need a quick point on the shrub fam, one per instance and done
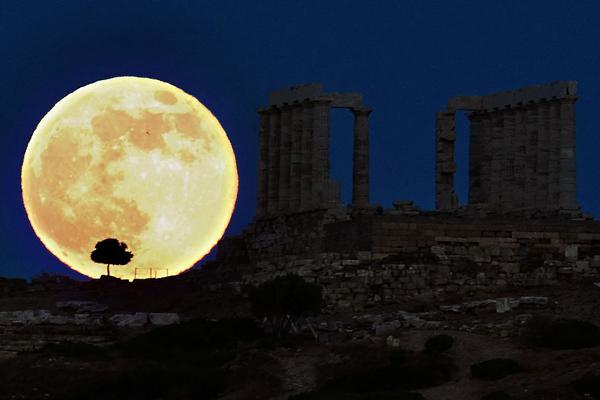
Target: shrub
(198, 339)
(589, 385)
(438, 344)
(497, 395)
(561, 333)
(285, 299)
(407, 372)
(359, 396)
(494, 369)
(76, 350)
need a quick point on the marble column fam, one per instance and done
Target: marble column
(360, 167)
(307, 157)
(497, 162)
(296, 157)
(273, 166)
(476, 156)
(262, 195)
(554, 156)
(567, 176)
(320, 172)
(531, 154)
(541, 197)
(508, 167)
(445, 166)
(285, 158)
(520, 146)
(486, 157)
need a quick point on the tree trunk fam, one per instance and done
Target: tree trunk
(108, 269)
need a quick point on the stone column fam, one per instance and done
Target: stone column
(285, 159)
(554, 156)
(497, 162)
(531, 154)
(360, 166)
(508, 167)
(320, 172)
(307, 157)
(520, 157)
(476, 143)
(296, 157)
(445, 167)
(541, 197)
(273, 167)
(567, 177)
(486, 157)
(262, 194)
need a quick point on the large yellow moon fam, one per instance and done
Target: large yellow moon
(135, 159)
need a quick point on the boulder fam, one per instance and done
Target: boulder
(163, 318)
(130, 320)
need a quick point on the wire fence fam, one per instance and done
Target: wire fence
(144, 273)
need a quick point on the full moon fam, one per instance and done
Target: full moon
(135, 159)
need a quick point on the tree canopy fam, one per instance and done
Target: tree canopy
(111, 251)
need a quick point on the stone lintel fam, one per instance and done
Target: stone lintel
(313, 92)
(514, 98)
(346, 100)
(295, 93)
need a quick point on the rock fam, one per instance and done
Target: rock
(24, 317)
(163, 318)
(572, 252)
(130, 320)
(389, 340)
(503, 305)
(81, 306)
(456, 308)
(533, 300)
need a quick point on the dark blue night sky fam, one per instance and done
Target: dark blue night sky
(406, 57)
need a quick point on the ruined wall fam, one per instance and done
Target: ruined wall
(374, 259)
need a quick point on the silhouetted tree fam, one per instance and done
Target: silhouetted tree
(285, 299)
(111, 251)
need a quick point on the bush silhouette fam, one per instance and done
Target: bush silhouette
(111, 251)
(494, 369)
(438, 344)
(497, 395)
(562, 333)
(285, 299)
(589, 385)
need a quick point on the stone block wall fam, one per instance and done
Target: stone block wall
(368, 260)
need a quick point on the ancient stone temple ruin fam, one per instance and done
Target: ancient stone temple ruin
(293, 170)
(521, 226)
(522, 150)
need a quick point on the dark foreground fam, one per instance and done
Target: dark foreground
(541, 349)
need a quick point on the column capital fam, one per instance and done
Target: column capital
(361, 110)
(264, 110)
